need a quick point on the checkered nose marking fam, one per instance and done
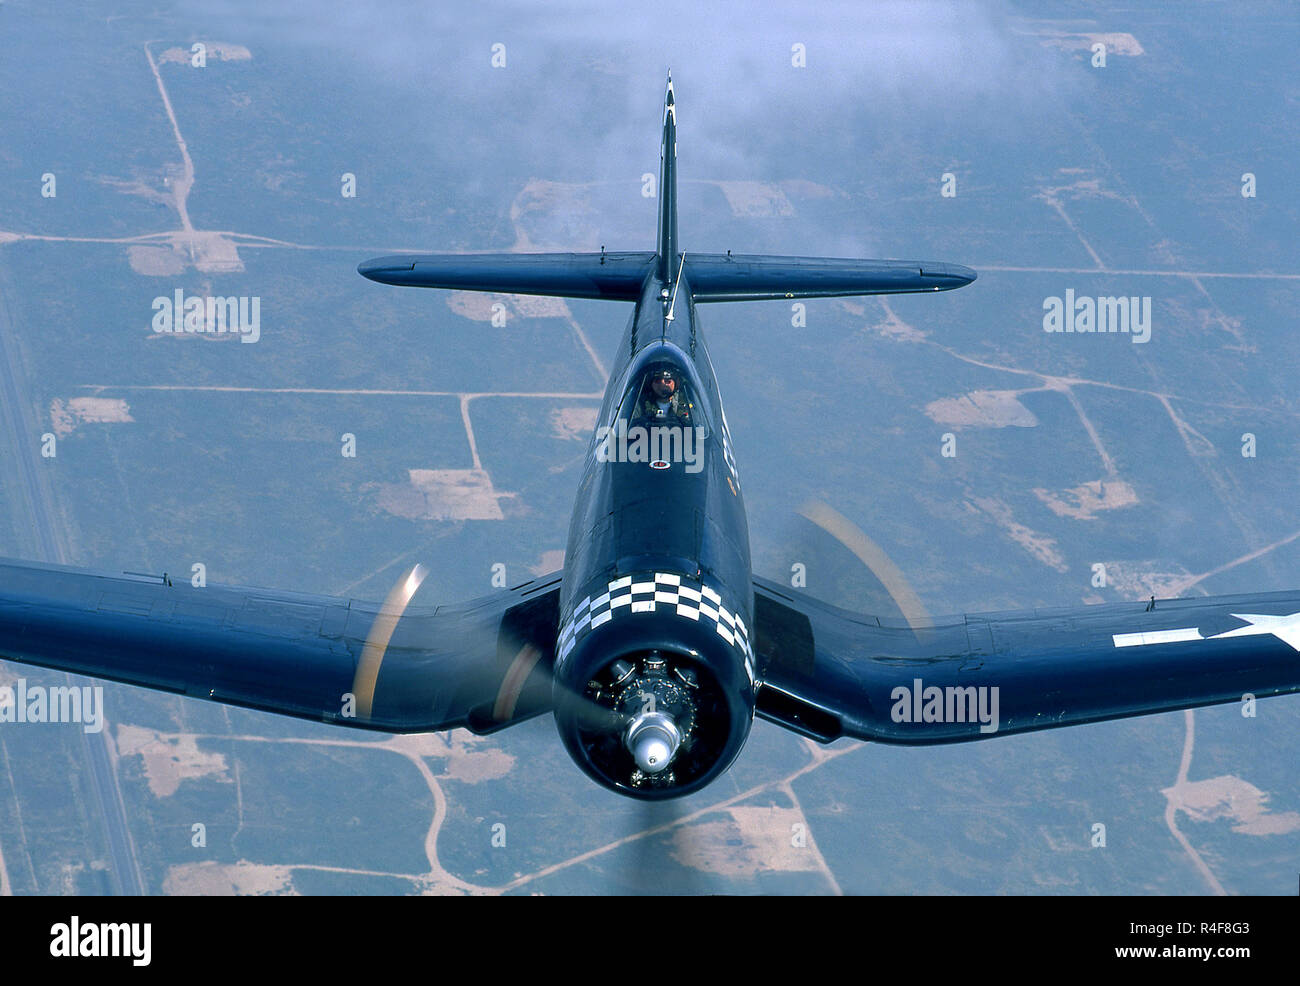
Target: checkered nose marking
(656, 592)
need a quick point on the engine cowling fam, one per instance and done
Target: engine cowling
(653, 706)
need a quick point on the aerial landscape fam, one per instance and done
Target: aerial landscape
(976, 450)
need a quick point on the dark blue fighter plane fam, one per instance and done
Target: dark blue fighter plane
(656, 646)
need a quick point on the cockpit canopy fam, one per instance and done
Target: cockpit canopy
(662, 394)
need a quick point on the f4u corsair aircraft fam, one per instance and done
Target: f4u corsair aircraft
(656, 646)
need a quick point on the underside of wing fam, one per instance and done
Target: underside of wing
(827, 672)
(404, 665)
(745, 277)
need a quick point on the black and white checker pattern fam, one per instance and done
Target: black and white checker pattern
(656, 592)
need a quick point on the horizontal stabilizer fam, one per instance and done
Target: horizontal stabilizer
(615, 276)
(621, 276)
(748, 277)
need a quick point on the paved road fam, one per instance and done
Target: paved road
(32, 515)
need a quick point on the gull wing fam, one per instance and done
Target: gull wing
(403, 665)
(827, 672)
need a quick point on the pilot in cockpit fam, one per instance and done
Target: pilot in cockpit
(662, 399)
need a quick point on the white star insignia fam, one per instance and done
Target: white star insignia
(1285, 628)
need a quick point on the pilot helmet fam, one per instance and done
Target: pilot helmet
(664, 374)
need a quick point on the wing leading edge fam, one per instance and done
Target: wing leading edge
(401, 666)
(828, 672)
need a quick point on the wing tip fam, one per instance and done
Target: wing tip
(382, 269)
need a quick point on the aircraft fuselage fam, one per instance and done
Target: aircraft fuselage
(657, 562)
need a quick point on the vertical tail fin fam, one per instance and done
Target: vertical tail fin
(667, 245)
